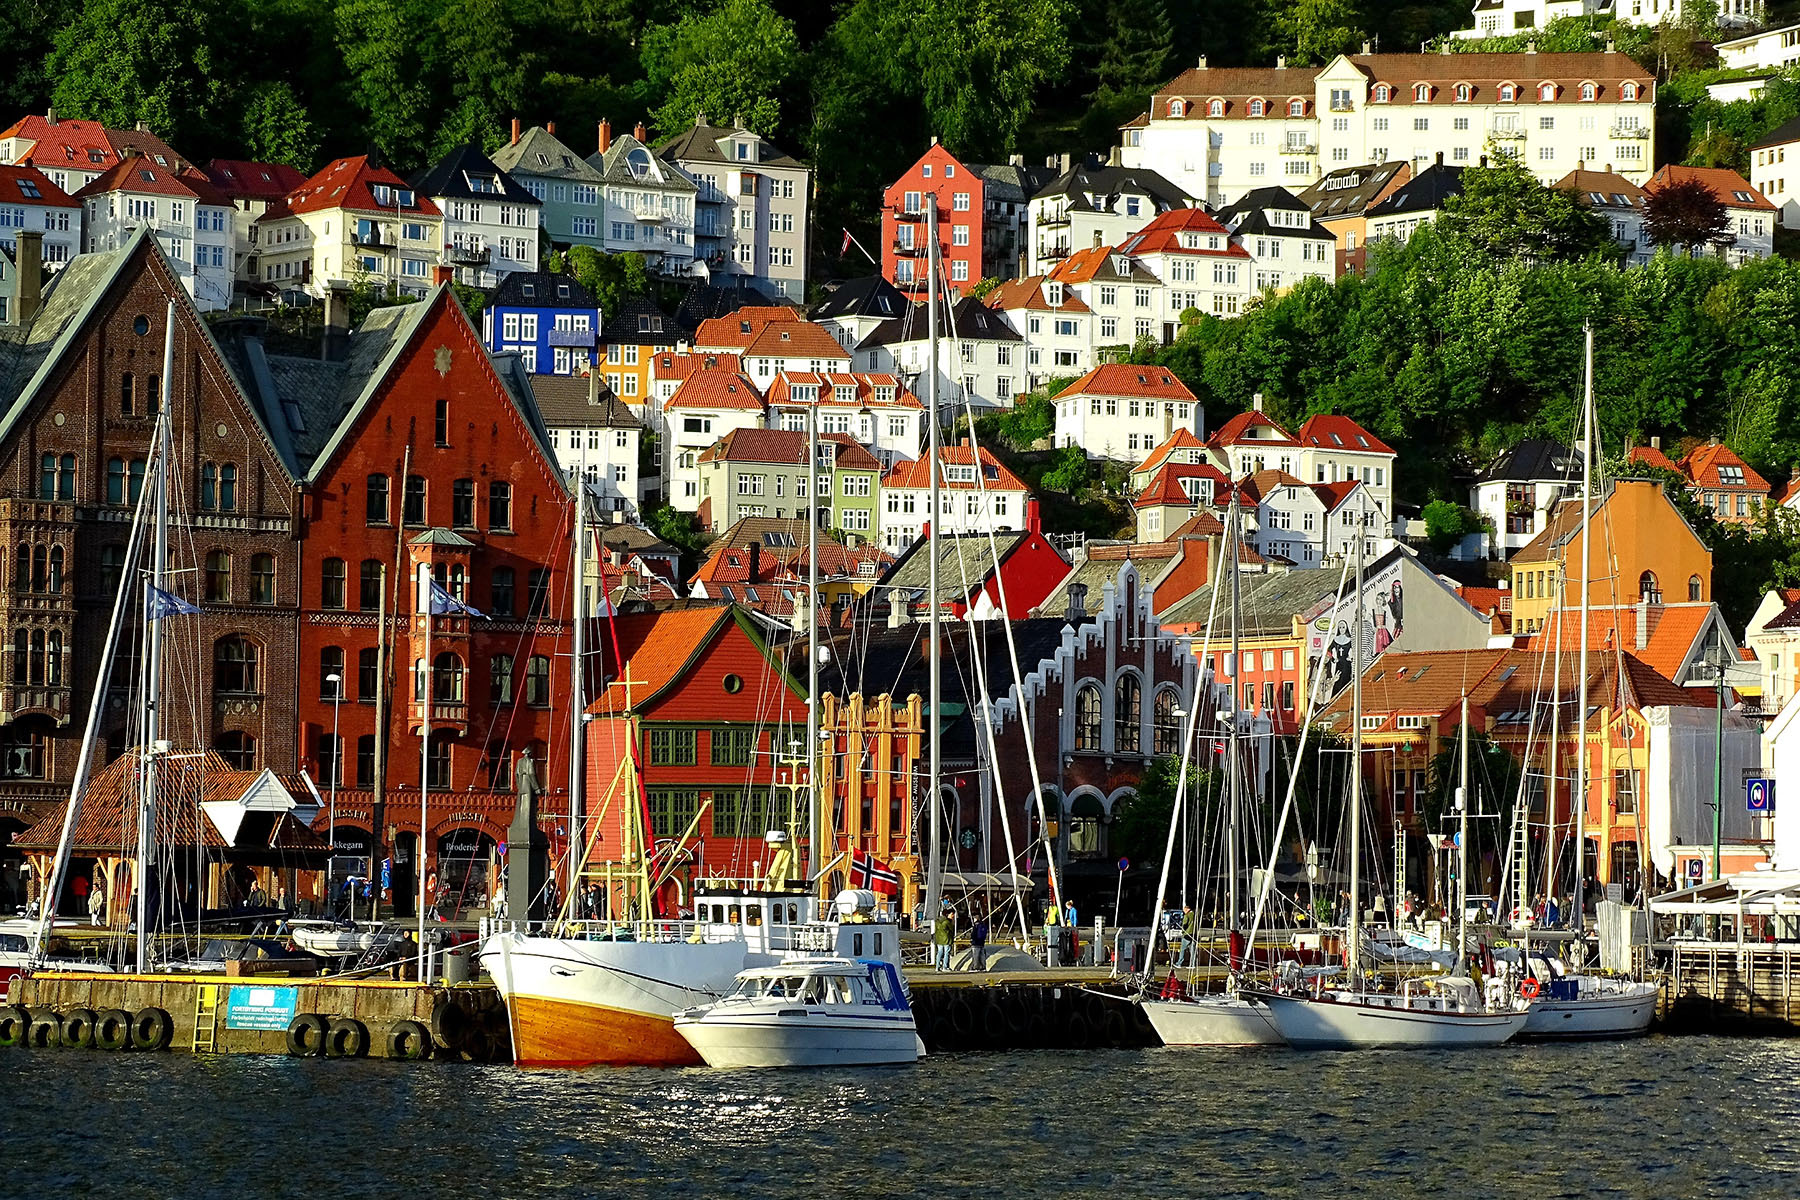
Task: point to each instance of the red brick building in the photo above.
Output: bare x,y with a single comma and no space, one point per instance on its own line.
904,241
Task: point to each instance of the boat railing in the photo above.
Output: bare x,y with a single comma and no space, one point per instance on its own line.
810,936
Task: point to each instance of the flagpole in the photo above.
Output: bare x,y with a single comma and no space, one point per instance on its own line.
850,240
423,684
159,565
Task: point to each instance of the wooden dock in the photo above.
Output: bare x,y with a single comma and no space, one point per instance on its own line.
1734,987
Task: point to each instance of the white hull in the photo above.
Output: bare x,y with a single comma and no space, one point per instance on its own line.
1607,1011
329,941
1212,1021
801,1037
1309,1024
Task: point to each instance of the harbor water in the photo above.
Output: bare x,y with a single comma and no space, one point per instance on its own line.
1675,1117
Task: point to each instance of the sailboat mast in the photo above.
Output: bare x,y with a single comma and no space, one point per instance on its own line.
934,872
1351,927
1462,840
815,817
1581,670
577,687
1233,520
159,571
423,682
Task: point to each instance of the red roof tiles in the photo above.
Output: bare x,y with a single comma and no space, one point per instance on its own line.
1328,431
1127,379
716,389
349,183
916,473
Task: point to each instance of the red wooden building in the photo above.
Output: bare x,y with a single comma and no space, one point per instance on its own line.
904,241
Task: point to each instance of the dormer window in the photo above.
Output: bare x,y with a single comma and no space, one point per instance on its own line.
1177,108
1421,93
1628,90
1590,92
1463,92
1509,92
1296,108
1215,108
1546,92
1053,294
1257,108
1383,93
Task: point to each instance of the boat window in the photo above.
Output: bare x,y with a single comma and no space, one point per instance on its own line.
840,990
793,914
754,914
718,915
877,945
856,944
878,985
775,914
736,917
814,992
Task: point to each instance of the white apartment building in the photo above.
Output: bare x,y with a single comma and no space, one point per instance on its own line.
981,358
29,200
1520,488
594,436
751,217
567,185
1127,299
1221,132
1057,327
1199,263
1095,206
1335,449
1284,242
705,407
1123,411
650,205
189,218
854,309
363,224
1506,18
253,189
1250,443
1769,171
976,492
1306,524
75,153
1765,50
1751,214
877,410
1617,201
490,225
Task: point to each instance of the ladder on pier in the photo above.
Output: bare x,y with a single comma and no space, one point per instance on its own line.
206,1017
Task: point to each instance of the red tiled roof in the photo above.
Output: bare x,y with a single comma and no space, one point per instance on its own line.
1232,432
1259,485
786,446
1028,293
671,365
716,389
1703,462
1673,631
1181,439
1165,486
1163,235
916,472
1725,184
1328,431
75,144
795,339
240,179
656,647
348,184
1334,494
736,330
1127,379
1082,265
42,194
1785,494
1237,86
1650,456
142,176
1486,72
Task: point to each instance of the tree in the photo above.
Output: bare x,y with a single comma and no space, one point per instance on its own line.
1447,523
167,63
385,61
1686,213
1316,31
1140,826
1133,58
609,278
1504,212
732,64
276,127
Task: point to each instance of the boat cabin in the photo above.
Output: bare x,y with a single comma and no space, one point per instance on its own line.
789,920
828,981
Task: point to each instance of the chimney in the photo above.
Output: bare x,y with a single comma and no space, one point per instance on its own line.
1440,158
1368,48
1112,156
1656,443
1611,46
1077,610
50,115
1256,402
605,135
142,127
515,131
1281,62
754,551
637,131
897,614
1484,160
593,386
337,324
1609,168
1581,164
934,139
1015,160
441,274
28,292
1064,161
550,128
1034,518
1203,62
1444,49
1643,622
1531,46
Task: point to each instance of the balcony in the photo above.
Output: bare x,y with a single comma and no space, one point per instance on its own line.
906,250
1053,252
464,255
1342,105
1506,134
21,699
371,239
907,214
583,338
1631,132
1298,149
1053,220
452,715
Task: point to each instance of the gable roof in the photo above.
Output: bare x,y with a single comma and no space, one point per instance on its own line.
1104,264
1028,293
449,178
916,472
701,144
241,179
1108,183
62,142
870,296
1165,486
538,152
638,321
32,188
1602,189
961,557
1164,235
1536,459
738,328
657,649
348,183
968,318
546,290
1424,192
1703,464
1330,431
1238,427
135,173
1673,631
787,447
1182,439
1129,379
565,400
794,339
716,388
1727,186
617,164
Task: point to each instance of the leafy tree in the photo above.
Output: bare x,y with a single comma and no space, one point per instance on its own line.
1133,58
1031,420
1316,31
277,128
732,64
1447,523
1140,828
1504,212
115,62
31,27
1687,214
610,278
1070,473
386,63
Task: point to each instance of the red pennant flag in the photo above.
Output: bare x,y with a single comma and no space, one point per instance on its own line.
845,249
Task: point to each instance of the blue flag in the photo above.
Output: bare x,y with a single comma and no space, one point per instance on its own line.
165,604
443,603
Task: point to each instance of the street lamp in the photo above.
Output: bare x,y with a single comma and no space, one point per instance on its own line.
337,769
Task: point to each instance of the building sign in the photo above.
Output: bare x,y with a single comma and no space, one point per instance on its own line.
1696,870
1759,795
1328,640
257,1007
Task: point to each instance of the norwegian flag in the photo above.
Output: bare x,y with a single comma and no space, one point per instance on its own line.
870,873
846,246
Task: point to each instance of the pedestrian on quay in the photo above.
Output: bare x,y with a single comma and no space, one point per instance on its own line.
943,937
978,936
1190,938
1052,935
97,900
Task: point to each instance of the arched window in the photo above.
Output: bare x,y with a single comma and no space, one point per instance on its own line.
53,582
1086,816
234,665
1128,714
262,579
1257,108
1165,729
1463,92
331,663
500,678
331,583
238,750
1590,92
22,568
1546,91
1648,589
209,487
1508,93
1296,108
1383,93
537,681
1694,587
1177,108
1087,717
1421,92
218,576
21,663
227,488
1216,108
1628,91
447,679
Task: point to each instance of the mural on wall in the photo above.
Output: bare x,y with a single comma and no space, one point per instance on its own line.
1329,640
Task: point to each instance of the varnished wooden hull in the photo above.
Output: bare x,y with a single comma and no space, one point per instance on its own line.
560,1033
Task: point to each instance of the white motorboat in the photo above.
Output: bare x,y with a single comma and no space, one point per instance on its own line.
1223,1020
812,1012
335,939
1447,1013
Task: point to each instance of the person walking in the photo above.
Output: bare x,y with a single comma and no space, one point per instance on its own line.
1052,935
943,937
978,936
97,901
1190,938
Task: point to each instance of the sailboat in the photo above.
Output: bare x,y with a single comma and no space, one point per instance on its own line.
1442,1012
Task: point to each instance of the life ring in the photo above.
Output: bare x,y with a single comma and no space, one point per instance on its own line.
14,1021
1530,988
152,1029
306,1035
78,1029
112,1030
44,1031
346,1038
409,1040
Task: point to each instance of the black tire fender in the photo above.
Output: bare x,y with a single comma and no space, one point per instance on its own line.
306,1035
14,1022
112,1030
78,1029
44,1031
409,1040
151,1029
346,1037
